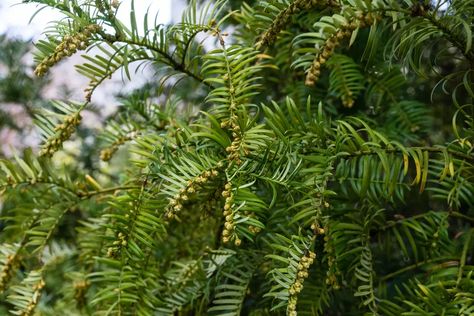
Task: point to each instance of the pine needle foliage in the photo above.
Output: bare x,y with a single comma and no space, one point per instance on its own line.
323,165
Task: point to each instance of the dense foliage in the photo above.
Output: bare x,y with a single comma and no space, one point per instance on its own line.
310,157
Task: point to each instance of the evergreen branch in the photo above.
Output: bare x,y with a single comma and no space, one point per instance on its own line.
299,198
180,67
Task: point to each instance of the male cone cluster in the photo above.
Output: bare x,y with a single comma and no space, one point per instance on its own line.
282,20
80,291
301,274
6,274
229,225
331,278
234,149
176,204
30,308
120,242
361,20
69,45
107,153
63,133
